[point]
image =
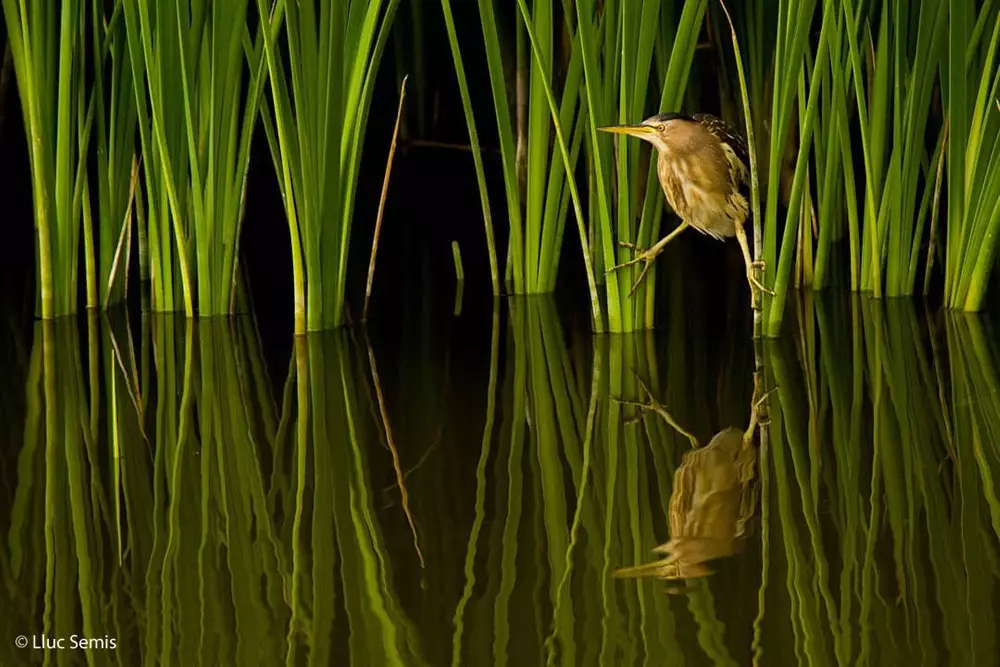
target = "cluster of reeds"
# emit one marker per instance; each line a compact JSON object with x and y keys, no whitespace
{"x":315,"y":129}
{"x":172,"y":91}
{"x":188,"y":66}
{"x":576,"y":67}
{"x":48,"y":44}
{"x":909,"y":88}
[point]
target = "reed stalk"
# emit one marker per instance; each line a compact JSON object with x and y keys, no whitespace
{"x":617,"y":86}
{"x":115,"y":122}
{"x":971,"y":80}
{"x":48,"y":46}
{"x":316,"y":124}
{"x":537,"y":179}
{"x":188,"y":59}
{"x":793,"y":19}
{"x":381,"y":201}
{"x":758,"y":237}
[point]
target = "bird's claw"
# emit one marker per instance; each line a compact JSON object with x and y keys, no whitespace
{"x":642,"y":255}
{"x":757,"y":284}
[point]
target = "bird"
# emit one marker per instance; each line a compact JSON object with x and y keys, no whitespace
{"x":702,"y":165}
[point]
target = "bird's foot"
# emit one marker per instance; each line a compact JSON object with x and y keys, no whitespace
{"x":756,"y":287}
{"x":756,"y":284}
{"x":646,"y":256}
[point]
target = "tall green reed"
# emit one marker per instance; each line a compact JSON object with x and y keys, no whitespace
{"x":971,"y":85}
{"x":627,"y":204}
{"x":901,"y":46}
{"x":874,"y":71}
{"x":48,"y":44}
{"x":196,"y":121}
{"x":793,"y":20}
{"x":535,"y":175}
{"x":604,"y":78}
{"x":315,"y":126}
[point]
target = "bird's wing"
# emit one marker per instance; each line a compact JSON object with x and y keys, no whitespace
{"x":740,"y":161}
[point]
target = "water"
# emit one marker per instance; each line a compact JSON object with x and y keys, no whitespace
{"x":462,"y":490}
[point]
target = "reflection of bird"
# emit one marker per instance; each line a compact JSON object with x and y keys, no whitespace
{"x":712,"y":499}
{"x":702,"y":166}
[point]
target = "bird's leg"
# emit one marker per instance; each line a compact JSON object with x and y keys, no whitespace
{"x":755,"y":285}
{"x":646,"y":256}
{"x":652,"y":405}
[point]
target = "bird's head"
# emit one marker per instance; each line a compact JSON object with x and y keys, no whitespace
{"x":654,"y":129}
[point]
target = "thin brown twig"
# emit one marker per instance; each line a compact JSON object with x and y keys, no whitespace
{"x":396,"y":465}
{"x":125,"y":236}
{"x":381,"y":202}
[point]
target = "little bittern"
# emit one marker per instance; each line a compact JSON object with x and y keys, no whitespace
{"x":702,"y":166}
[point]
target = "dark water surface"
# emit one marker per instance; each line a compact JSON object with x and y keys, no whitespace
{"x":461,"y":490}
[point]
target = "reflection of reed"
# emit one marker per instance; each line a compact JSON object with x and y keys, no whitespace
{"x":575,"y":491}
{"x":175,"y":540}
{"x":334,"y":527}
{"x":880,"y":527}
{"x":162,"y":493}
{"x":55,"y":549}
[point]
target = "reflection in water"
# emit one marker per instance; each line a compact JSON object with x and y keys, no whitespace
{"x":714,"y":495}
{"x":411,"y":502}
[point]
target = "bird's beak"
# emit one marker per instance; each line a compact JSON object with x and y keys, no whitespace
{"x":637,"y":130}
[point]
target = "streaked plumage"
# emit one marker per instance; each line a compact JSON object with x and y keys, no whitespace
{"x":703,"y":168}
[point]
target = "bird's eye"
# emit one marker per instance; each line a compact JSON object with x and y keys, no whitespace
{"x":659,"y":127}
